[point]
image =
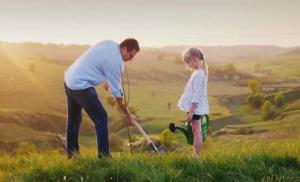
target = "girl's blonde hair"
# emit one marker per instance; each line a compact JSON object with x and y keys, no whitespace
{"x":195,"y":54}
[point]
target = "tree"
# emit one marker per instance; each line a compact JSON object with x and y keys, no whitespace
{"x":166,"y":138}
{"x":266,"y":110}
{"x":255,"y":101}
{"x":254,"y":86}
{"x":279,"y":99}
{"x":230,"y":70}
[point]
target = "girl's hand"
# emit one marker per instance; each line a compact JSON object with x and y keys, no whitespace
{"x":189,"y":117}
{"x":191,"y":112}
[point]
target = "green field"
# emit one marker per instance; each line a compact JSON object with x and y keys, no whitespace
{"x":33,"y":118}
{"x":284,"y":67}
{"x":153,"y":85}
{"x":271,"y":155}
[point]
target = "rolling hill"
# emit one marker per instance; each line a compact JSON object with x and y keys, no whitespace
{"x":33,"y":100}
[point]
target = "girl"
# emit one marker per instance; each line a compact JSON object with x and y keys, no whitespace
{"x":194,"y":98}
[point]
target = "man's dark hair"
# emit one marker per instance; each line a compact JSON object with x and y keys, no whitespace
{"x":130,"y":44}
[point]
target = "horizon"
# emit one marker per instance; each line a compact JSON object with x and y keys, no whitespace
{"x":159,"y":47}
{"x":153,"y":24}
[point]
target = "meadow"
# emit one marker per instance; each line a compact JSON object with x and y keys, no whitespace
{"x":30,"y":96}
{"x":269,"y":156}
{"x":33,"y":116}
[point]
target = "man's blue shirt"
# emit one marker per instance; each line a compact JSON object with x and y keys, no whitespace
{"x":102,"y":62}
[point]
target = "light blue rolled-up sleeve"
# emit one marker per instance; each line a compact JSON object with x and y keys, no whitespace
{"x":113,"y":75}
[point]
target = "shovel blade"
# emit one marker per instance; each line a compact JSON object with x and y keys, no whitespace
{"x":159,"y":149}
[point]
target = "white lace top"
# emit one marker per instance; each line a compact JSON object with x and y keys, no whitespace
{"x":195,"y":91}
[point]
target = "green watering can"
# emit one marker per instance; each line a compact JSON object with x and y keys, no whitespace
{"x":187,"y":129}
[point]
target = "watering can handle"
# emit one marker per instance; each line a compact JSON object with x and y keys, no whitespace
{"x":207,"y":119}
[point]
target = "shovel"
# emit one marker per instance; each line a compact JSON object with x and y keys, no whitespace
{"x":160,"y":149}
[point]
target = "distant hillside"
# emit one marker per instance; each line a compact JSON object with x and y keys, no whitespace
{"x":41,"y":129}
{"x":32,"y":96}
{"x":294,"y":52}
{"x":49,"y":51}
{"x":215,"y":54}
{"x":12,"y":135}
{"x":234,"y":53}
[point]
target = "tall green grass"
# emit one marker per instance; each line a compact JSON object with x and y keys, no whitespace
{"x":277,"y":161}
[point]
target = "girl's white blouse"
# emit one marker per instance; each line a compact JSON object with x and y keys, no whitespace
{"x":195,"y":91}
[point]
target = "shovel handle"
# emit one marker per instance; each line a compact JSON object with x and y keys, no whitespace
{"x":149,"y":141}
{"x":136,"y":124}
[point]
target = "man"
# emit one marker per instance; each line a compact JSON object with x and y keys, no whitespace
{"x":101,"y":64}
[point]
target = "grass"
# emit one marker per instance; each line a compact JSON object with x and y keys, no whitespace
{"x":271,"y":155}
{"x":292,"y":106}
{"x":256,"y":151}
{"x":153,"y":84}
{"x":13,"y":133}
{"x":221,"y":88}
{"x":290,"y":109}
{"x":284,"y":66}
{"x":240,"y":163}
{"x":218,"y":110}
{"x":247,"y":115}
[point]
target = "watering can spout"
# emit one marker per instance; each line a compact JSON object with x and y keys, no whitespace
{"x":186,"y":130}
{"x":173,"y":128}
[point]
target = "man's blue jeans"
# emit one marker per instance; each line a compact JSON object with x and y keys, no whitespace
{"x":88,"y":100}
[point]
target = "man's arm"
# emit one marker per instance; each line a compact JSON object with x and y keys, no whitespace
{"x":130,"y":117}
{"x":113,"y":76}
{"x":121,"y":105}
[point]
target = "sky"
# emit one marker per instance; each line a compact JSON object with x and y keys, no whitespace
{"x":154,"y":23}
